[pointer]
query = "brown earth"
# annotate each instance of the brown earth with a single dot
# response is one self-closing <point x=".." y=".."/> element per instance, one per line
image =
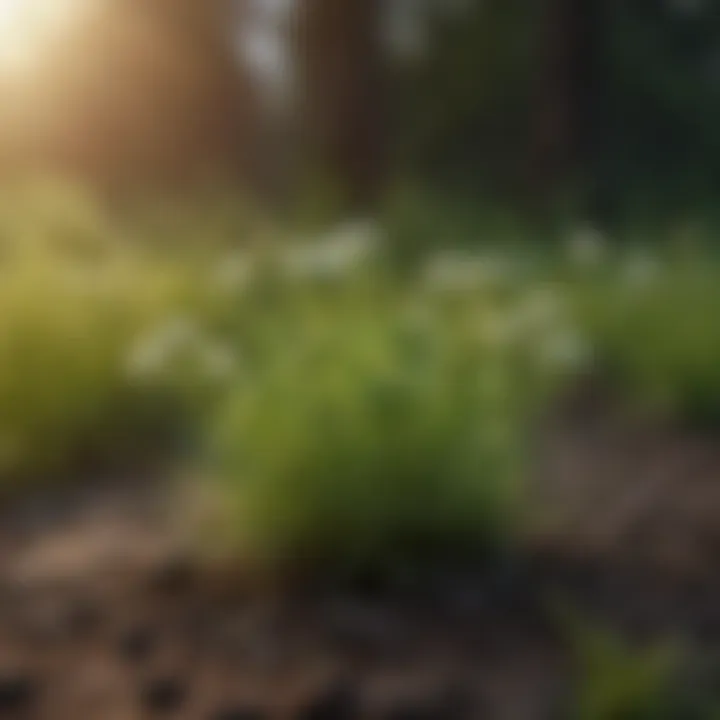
<point x="104" y="616"/>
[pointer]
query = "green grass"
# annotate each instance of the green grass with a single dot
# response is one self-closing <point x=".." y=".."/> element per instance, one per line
<point x="615" y="679"/>
<point x="382" y="420"/>
<point x="351" y="408"/>
<point x="652" y="318"/>
<point x="75" y="299"/>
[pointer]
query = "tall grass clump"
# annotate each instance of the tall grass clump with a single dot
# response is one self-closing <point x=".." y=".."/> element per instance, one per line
<point x="653" y="320"/>
<point x="616" y="679"/>
<point x="380" y="422"/>
<point x="74" y="299"/>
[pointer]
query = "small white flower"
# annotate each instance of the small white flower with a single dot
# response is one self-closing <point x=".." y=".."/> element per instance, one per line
<point x="498" y="329"/>
<point x="154" y="352"/>
<point x="564" y="351"/>
<point x="147" y="358"/>
<point x="540" y="308"/>
<point x="640" y="270"/>
<point x="234" y="273"/>
<point x="363" y="236"/>
<point x="586" y="246"/>
<point x="464" y="271"/>
<point x="179" y="332"/>
<point x="218" y="361"/>
<point x="337" y="253"/>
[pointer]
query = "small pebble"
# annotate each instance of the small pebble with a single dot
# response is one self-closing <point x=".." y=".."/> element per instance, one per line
<point x="137" y="644"/>
<point x="83" y="619"/>
<point x="174" y="576"/>
<point x="338" y="701"/>
<point x="239" y="712"/>
<point x="450" y="704"/>
<point x="17" y="692"/>
<point x="163" y="695"/>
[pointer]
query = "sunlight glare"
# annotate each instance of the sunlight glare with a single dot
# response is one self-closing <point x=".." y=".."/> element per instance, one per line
<point x="29" y="30"/>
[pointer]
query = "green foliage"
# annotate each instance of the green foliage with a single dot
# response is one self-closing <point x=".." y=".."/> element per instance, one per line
<point x="654" y="324"/>
<point x="370" y="411"/>
<point x="618" y="681"/>
<point x="465" y="99"/>
<point x="73" y="300"/>
<point x="646" y="102"/>
<point x="658" y="106"/>
<point x="381" y="421"/>
<point x="419" y="222"/>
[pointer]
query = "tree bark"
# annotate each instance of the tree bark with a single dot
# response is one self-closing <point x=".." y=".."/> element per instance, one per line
<point x="341" y="92"/>
<point x="562" y="126"/>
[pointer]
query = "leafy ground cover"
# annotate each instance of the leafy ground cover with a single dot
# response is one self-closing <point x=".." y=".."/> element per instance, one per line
<point x="333" y="409"/>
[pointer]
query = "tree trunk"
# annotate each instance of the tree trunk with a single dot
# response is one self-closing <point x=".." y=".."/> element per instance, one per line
<point x="562" y="127"/>
<point x="341" y="94"/>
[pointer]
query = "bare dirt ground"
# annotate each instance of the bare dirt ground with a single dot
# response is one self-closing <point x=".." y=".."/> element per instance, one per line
<point x="103" y="616"/>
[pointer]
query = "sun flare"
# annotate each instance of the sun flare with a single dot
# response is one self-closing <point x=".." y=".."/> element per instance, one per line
<point x="30" y="29"/>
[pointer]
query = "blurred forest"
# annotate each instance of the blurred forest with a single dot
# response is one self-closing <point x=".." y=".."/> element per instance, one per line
<point x="368" y="364"/>
<point x="609" y="106"/>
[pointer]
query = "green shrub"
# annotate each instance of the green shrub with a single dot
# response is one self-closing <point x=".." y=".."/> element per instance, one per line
<point x="380" y="422"/>
<point x="73" y="301"/>
<point x="617" y="680"/>
<point x="654" y="325"/>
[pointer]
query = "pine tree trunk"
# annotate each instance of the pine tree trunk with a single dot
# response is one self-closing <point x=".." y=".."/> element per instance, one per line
<point x="564" y="99"/>
<point x="341" y="93"/>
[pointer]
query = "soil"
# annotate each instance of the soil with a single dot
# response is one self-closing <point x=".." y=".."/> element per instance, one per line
<point x="104" y="615"/>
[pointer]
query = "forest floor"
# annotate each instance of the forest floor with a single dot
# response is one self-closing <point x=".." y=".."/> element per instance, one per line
<point x="104" y="616"/>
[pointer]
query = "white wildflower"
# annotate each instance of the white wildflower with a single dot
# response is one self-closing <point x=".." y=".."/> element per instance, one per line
<point x="498" y="329"/>
<point x="586" y="246"/>
<point x="543" y="307"/>
<point x="364" y="236"/>
<point x="234" y="273"/>
<point x="640" y="270"/>
<point x="146" y="358"/>
<point x="218" y="361"/>
<point x="337" y="253"/>
<point x="154" y="352"/>
<point x="564" y="351"/>
<point x="464" y="271"/>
